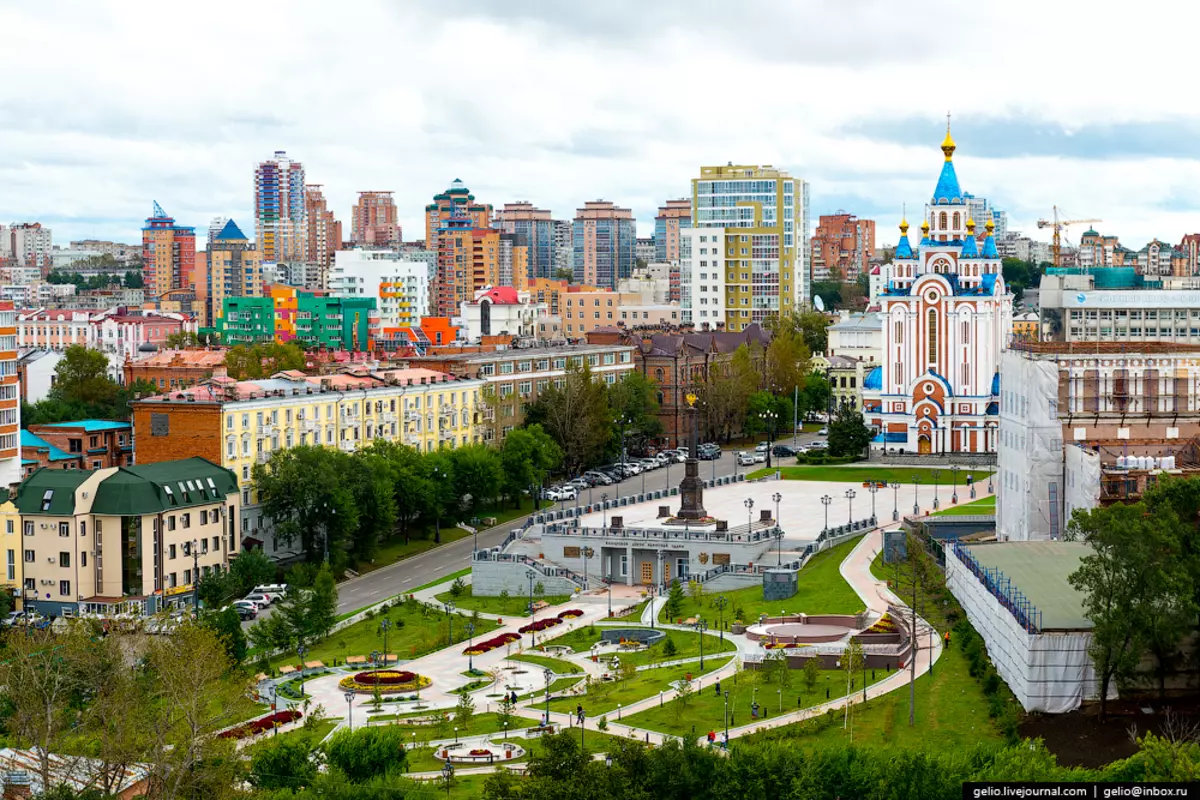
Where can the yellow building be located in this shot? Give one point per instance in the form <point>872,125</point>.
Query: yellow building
<point>10,526</point>
<point>1025,326</point>
<point>241,423</point>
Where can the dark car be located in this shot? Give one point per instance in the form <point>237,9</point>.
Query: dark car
<point>782,451</point>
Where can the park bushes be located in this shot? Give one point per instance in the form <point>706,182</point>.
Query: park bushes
<point>262,724</point>
<point>814,458</point>
<point>1002,706</point>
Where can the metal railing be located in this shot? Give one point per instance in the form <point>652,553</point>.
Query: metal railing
<point>732,536</point>
<point>1000,586</point>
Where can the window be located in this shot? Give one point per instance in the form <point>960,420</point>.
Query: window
<point>171,551</point>
<point>64,529</point>
<point>12,565</point>
<point>899,337</point>
<point>933,331</point>
<point>29,556</point>
<point>216,545</point>
<point>83,559</point>
<point>28,527</point>
<point>171,522</point>
<point>64,588</point>
<point>64,559</point>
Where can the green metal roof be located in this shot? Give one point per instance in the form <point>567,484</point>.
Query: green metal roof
<point>131,491</point>
<point>1040,569</point>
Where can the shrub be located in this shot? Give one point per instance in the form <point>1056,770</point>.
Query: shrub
<point>669,648</point>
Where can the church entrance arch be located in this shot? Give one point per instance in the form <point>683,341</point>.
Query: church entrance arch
<point>924,445</point>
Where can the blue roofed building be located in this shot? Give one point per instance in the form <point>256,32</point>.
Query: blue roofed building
<point>946,317</point>
<point>83,444</point>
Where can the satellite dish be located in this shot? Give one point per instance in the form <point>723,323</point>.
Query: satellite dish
<point>818,303</point>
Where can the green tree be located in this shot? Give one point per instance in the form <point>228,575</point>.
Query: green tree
<point>768,414</point>
<point>283,762</point>
<point>304,491</point>
<point>249,568</point>
<point>1134,573</point>
<point>527,457</point>
<point>371,480</point>
<point>412,488</point>
<point>848,433</point>
<point>478,473</point>
<point>674,604</point>
<point>367,753</point>
<point>226,624</point>
<point>262,360</point>
<point>576,416</point>
<point>322,603</point>
<point>634,400</point>
<point>726,393</point>
<point>787,363</point>
<point>464,711</point>
<point>811,673</point>
<point>816,394</point>
<point>82,376</point>
<point>134,280</point>
<point>852,663</point>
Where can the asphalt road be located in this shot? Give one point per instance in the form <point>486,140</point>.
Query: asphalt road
<point>406,575</point>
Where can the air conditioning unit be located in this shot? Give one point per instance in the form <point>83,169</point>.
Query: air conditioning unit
<point>50,559</point>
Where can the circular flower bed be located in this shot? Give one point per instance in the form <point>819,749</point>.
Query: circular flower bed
<point>541,625</point>
<point>570,612</point>
<point>481,752</point>
<point>384,681</point>
<point>479,648</point>
<point>255,727</point>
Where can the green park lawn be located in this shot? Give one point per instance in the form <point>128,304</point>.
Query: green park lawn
<point>556,686</point>
<point>821,590</point>
<point>705,710</point>
<point>984,505</point>
<point>951,708</point>
<point>855,474</point>
<point>555,665</point>
<point>687,645</point>
<point>416,630</point>
<point>603,698</point>
<point>513,606</point>
<point>422,759</point>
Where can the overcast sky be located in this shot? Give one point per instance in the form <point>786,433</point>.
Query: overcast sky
<point>108,105</point>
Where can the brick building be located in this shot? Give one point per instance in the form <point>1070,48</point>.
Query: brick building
<point>845,242</point>
<point>175,369</point>
<point>88,444</point>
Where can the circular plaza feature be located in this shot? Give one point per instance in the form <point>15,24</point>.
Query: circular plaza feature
<point>785,631</point>
<point>384,681</point>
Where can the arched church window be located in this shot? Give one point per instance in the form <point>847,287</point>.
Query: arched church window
<point>933,333</point>
<point>942,220</point>
<point>956,219</point>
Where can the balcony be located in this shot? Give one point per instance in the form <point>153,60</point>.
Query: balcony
<point>347,445</point>
<point>266,430</point>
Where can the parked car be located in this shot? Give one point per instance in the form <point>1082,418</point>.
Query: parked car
<point>649,463</point>
<point>244,612</point>
<point>598,477</point>
<point>560,493</point>
<point>761,447</point>
<point>663,457</point>
<point>745,459</point>
<point>679,455</point>
<point>760,457</point>
<point>250,604</point>
<point>632,468</point>
<point>579,483</point>
<point>260,598</point>
<point>823,432</point>
<point>818,446</point>
<point>783,451</point>
<point>275,590</point>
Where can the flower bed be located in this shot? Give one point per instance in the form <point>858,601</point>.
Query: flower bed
<point>480,753</point>
<point>885,625</point>
<point>384,681</point>
<point>487,645</point>
<point>779,645</point>
<point>540,625</point>
<point>262,724</point>
<point>570,612</point>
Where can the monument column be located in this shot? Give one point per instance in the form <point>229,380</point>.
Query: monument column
<point>691,488</point>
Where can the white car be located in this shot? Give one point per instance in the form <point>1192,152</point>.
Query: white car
<point>823,432</point>
<point>275,590</point>
<point>250,604</point>
<point>761,447</point>
<point>745,459</point>
<point>560,493</point>
<point>818,446</point>
<point>260,598</point>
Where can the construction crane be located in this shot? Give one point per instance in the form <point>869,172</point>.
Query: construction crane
<point>1058,225</point>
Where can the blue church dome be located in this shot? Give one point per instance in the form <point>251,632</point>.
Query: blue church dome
<point>874,379</point>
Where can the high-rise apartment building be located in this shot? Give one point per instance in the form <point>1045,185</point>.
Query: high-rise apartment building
<point>468,259</point>
<point>10,401</point>
<point>215,227</point>
<point>673,217</point>
<point>762,213</point>
<point>845,243</point>
<point>279,209</point>
<point>324,232</point>
<point>457,202</point>
<point>30,244</point>
<point>374,220</point>
<point>604,244</point>
<point>534,229</point>
<point>564,246</point>
<point>168,254</point>
<point>233,269</point>
<point>513,267</point>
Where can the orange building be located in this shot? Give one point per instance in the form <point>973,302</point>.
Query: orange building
<point>845,243</point>
<point>468,259</point>
<point>175,369</point>
<point>168,254</point>
<point>457,201</point>
<point>373,220</point>
<point>10,401</point>
<point>552,292</point>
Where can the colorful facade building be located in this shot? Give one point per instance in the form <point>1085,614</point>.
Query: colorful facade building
<point>246,320</point>
<point>947,318</point>
<point>231,267</point>
<point>534,230</point>
<point>373,220</point>
<point>323,231</point>
<point>673,217</point>
<point>754,220</point>
<point>127,540</point>
<point>238,424</point>
<point>604,244</point>
<point>37,453</point>
<point>845,243</point>
<point>280,212</point>
<point>168,254</point>
<point>312,319</point>
<point>456,202</point>
<point>400,287</point>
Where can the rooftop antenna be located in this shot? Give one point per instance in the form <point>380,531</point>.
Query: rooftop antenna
<point>158,210</point>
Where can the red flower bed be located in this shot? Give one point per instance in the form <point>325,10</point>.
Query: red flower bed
<point>487,645</point>
<point>481,752</point>
<point>262,724</point>
<point>570,612</point>
<point>385,678</point>
<point>541,625</point>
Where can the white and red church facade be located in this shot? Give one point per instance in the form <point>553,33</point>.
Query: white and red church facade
<point>947,317</point>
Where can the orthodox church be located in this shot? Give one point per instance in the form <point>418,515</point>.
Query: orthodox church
<point>947,317</point>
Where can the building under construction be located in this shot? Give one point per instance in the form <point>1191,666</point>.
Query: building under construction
<point>1086,423</point>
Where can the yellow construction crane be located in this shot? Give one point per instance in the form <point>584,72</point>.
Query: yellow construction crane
<point>1058,225</point>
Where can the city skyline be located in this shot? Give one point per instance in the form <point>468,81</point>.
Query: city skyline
<point>87,159</point>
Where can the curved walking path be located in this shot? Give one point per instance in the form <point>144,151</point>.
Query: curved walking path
<point>856,569</point>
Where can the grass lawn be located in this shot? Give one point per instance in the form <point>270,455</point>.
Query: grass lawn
<point>984,505</point>
<point>705,710</point>
<point>556,686</point>
<point>853,474</point>
<point>480,724</point>
<point>821,590</point>
<point>687,645</point>
<point>316,734</point>
<point>416,630</point>
<point>634,615</point>
<point>513,606</point>
<point>555,665</point>
<point>951,709</point>
<point>604,698</point>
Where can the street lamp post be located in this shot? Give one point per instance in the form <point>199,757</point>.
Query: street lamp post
<point>532,612</point>
<point>826,500</point>
<point>447,774</point>
<point>547,676</point>
<point>778,531</point>
<point>895,500</point>
<point>273,696</point>
<point>385,626</point>
<point>850,495</point>
<point>726,717</point>
<point>873,488</point>
<point>720,604</point>
<point>585,554</point>
<point>437,507</point>
<point>604,511</point>
<point>350,709</point>
<point>954,484</point>
<point>610,595</point>
<point>749,504</point>
<point>470,647</point>
<point>301,651</point>
<point>701,627</point>
<point>936,475</point>
<point>916,505</point>
<point>449,623</point>
<point>770,417</point>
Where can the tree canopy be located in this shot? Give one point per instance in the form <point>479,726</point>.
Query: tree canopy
<point>83,390</point>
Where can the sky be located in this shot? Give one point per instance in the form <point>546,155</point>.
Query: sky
<point>110,105</point>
